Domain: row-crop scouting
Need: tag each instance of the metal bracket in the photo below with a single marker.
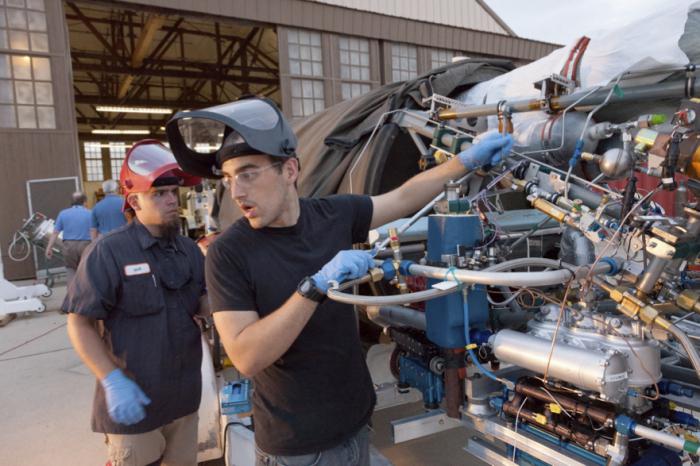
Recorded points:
(523, 441)
(485, 452)
(413, 427)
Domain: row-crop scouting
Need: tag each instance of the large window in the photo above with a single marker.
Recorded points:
(307, 97)
(305, 53)
(117, 153)
(354, 66)
(93, 161)
(23, 26)
(305, 61)
(26, 91)
(404, 64)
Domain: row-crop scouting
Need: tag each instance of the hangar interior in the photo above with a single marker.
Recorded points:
(133, 68)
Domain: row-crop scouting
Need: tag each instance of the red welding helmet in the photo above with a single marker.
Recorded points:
(147, 161)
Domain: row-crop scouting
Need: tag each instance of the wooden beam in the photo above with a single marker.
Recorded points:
(98, 35)
(148, 32)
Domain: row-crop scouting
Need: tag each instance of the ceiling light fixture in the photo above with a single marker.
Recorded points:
(122, 109)
(120, 131)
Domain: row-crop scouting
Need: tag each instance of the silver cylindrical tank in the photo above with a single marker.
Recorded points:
(543, 134)
(602, 372)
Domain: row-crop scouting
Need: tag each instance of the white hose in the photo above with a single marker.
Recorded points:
(394, 299)
(481, 277)
(13, 245)
(490, 276)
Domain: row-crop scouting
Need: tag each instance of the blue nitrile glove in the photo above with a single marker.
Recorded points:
(490, 150)
(125, 400)
(346, 265)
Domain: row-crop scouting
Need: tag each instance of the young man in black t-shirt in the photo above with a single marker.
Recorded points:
(268, 273)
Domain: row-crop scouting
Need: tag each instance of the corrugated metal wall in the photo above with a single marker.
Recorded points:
(468, 14)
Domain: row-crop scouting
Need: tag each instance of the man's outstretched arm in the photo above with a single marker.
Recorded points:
(419, 190)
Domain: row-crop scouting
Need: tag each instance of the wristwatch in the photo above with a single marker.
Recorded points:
(308, 289)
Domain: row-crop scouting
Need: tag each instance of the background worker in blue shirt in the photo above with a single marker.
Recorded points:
(107, 214)
(74, 222)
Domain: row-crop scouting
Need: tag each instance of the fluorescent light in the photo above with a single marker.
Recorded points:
(122, 109)
(120, 131)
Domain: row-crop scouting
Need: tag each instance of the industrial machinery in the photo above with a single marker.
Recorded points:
(551, 303)
(196, 208)
(595, 360)
(580, 352)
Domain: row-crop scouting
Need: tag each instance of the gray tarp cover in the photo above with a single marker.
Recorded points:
(331, 140)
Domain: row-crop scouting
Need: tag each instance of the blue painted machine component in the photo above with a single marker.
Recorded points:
(452, 235)
(235, 397)
(684, 418)
(413, 373)
(667, 387)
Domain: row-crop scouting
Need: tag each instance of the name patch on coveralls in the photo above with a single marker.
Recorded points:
(137, 269)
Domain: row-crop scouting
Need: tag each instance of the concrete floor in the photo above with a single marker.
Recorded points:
(46, 394)
(47, 397)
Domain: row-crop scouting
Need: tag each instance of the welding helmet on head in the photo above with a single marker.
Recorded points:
(149, 163)
(202, 140)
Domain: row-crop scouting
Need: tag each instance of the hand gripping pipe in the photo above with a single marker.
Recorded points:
(491, 276)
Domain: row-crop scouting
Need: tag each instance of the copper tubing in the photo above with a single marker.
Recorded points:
(513, 408)
(453, 392)
(600, 415)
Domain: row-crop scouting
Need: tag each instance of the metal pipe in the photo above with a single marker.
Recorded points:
(600, 415)
(590, 370)
(453, 392)
(425, 295)
(592, 199)
(514, 408)
(693, 225)
(651, 274)
(524, 262)
(685, 342)
(397, 316)
(664, 90)
(515, 279)
(421, 213)
(671, 441)
(617, 452)
(575, 248)
(490, 276)
(553, 277)
(540, 232)
(405, 249)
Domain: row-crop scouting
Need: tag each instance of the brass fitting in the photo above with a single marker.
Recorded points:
(376, 274)
(631, 305)
(689, 300)
(649, 315)
(550, 209)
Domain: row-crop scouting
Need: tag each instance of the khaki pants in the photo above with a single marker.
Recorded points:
(72, 252)
(175, 443)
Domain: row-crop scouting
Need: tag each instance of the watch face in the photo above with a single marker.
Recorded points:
(305, 286)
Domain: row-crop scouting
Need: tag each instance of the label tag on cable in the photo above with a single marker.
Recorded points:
(446, 285)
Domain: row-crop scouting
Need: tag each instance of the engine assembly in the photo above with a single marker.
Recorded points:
(552, 303)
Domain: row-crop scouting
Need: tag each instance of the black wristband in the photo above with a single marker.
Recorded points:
(308, 289)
